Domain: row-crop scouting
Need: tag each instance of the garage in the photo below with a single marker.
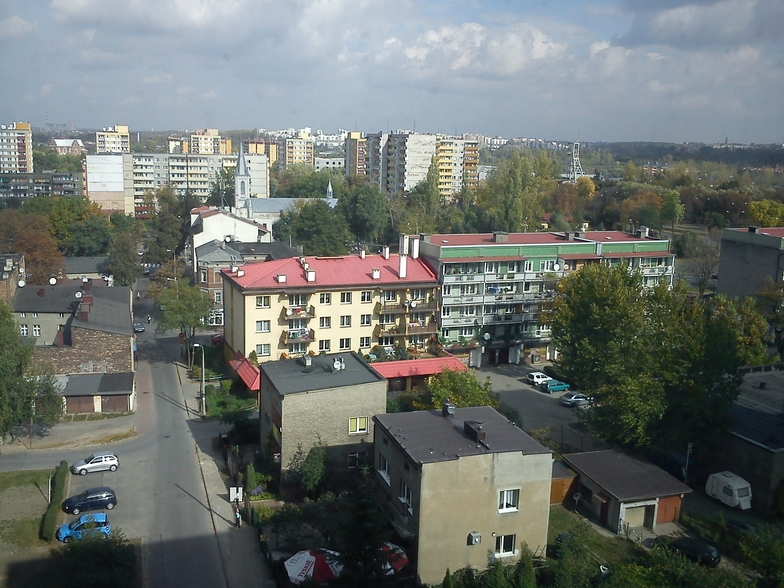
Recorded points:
(79, 404)
(85, 393)
(635, 517)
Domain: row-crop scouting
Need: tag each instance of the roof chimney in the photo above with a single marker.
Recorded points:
(41, 291)
(88, 285)
(362, 254)
(376, 273)
(386, 251)
(474, 431)
(402, 263)
(500, 237)
(403, 244)
(753, 229)
(414, 247)
(310, 275)
(240, 273)
(447, 409)
(82, 315)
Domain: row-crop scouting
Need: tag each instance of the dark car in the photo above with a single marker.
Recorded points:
(694, 549)
(91, 499)
(138, 328)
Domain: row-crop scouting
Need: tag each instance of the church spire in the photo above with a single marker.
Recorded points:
(329, 189)
(241, 180)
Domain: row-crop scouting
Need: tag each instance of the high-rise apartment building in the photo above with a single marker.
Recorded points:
(16, 148)
(356, 154)
(114, 139)
(208, 142)
(458, 163)
(408, 156)
(266, 147)
(297, 150)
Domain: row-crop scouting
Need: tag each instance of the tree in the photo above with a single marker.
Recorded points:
(31, 235)
(122, 223)
(315, 226)
(585, 189)
(462, 388)
(123, 259)
(764, 551)
(363, 207)
(185, 307)
(672, 210)
(766, 213)
(222, 191)
(524, 574)
(703, 258)
(89, 237)
(770, 304)
(447, 583)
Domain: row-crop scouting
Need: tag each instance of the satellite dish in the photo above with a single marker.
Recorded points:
(413, 304)
(486, 336)
(289, 312)
(52, 281)
(84, 280)
(21, 283)
(556, 267)
(78, 294)
(336, 365)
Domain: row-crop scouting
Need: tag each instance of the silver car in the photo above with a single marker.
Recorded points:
(97, 462)
(576, 399)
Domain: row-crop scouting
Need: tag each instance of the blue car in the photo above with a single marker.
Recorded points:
(87, 523)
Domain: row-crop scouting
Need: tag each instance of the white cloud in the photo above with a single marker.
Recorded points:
(158, 78)
(15, 27)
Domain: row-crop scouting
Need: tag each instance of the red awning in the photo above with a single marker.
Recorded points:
(418, 367)
(247, 372)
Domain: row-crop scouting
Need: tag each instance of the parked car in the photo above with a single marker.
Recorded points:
(91, 499)
(536, 378)
(88, 523)
(217, 340)
(97, 462)
(694, 549)
(551, 386)
(730, 489)
(138, 328)
(574, 399)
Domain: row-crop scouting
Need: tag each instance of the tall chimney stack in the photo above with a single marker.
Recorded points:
(402, 269)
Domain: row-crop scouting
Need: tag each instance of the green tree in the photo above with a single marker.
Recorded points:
(764, 552)
(112, 563)
(495, 577)
(314, 467)
(123, 259)
(30, 234)
(770, 304)
(89, 237)
(186, 308)
(463, 388)
(47, 159)
(222, 191)
(703, 258)
(447, 583)
(363, 207)
(766, 213)
(672, 209)
(315, 226)
(585, 189)
(122, 223)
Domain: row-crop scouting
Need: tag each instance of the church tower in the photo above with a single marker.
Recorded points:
(241, 181)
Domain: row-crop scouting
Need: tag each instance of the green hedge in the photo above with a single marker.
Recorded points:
(49, 526)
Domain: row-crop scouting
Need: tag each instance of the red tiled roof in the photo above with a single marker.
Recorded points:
(418, 367)
(347, 272)
(247, 372)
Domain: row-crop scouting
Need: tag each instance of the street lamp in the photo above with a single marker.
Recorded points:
(202, 400)
(177, 285)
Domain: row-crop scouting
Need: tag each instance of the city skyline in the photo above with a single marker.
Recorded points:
(605, 71)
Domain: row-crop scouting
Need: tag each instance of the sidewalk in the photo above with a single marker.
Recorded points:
(243, 562)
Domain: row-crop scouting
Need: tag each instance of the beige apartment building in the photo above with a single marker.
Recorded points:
(458, 164)
(289, 307)
(297, 150)
(16, 148)
(114, 139)
(464, 486)
(356, 154)
(209, 142)
(266, 147)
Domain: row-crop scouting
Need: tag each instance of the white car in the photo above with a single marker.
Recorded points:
(536, 378)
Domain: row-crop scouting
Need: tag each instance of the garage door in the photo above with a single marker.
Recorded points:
(114, 403)
(635, 517)
(77, 404)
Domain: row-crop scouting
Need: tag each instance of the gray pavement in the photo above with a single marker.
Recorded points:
(240, 554)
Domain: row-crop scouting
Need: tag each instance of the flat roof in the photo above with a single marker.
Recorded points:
(758, 413)
(429, 437)
(291, 376)
(626, 477)
(458, 239)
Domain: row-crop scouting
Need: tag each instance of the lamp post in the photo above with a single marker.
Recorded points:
(202, 400)
(702, 211)
(177, 285)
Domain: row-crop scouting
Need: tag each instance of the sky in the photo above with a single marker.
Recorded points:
(593, 70)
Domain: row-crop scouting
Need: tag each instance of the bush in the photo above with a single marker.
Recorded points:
(49, 525)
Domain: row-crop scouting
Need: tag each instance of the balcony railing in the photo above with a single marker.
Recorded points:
(389, 330)
(417, 328)
(292, 312)
(298, 336)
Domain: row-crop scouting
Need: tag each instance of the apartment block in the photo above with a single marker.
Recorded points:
(208, 142)
(458, 161)
(290, 307)
(409, 156)
(376, 158)
(22, 186)
(494, 286)
(114, 139)
(16, 148)
(356, 154)
(297, 150)
(749, 257)
(109, 182)
(266, 147)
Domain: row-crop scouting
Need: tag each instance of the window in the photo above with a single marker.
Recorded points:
(262, 301)
(504, 545)
(203, 276)
(364, 320)
(263, 349)
(386, 341)
(324, 345)
(24, 315)
(298, 299)
(383, 468)
(325, 298)
(298, 347)
(345, 297)
(364, 342)
(298, 323)
(466, 332)
(358, 426)
(345, 320)
(36, 330)
(23, 330)
(508, 500)
(325, 322)
(390, 296)
(218, 297)
(345, 343)
(387, 319)
(548, 265)
(491, 267)
(529, 266)
(512, 267)
(262, 326)
(35, 315)
(356, 459)
(59, 314)
(406, 496)
(367, 296)
(418, 294)
(446, 310)
(446, 290)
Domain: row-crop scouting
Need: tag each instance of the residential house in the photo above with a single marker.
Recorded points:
(624, 492)
(461, 483)
(95, 268)
(289, 307)
(747, 258)
(328, 399)
(494, 285)
(68, 146)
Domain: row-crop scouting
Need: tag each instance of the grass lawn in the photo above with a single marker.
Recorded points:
(25, 478)
(24, 533)
(609, 551)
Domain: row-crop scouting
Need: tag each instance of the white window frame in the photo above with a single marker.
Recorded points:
(324, 345)
(263, 350)
(325, 298)
(547, 265)
(23, 330)
(358, 425)
(345, 343)
(36, 330)
(364, 342)
(503, 543)
(262, 301)
(298, 300)
(218, 297)
(367, 296)
(529, 265)
(345, 297)
(203, 276)
(325, 322)
(406, 497)
(298, 347)
(365, 320)
(383, 468)
(509, 500)
(390, 295)
(345, 320)
(263, 326)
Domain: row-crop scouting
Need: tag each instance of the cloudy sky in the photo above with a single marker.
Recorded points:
(603, 70)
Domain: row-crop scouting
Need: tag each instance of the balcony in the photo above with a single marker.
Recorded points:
(458, 278)
(389, 330)
(460, 321)
(298, 336)
(500, 319)
(418, 328)
(293, 312)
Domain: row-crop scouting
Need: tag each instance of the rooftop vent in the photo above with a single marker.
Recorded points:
(308, 360)
(310, 275)
(447, 409)
(500, 237)
(281, 278)
(474, 431)
(385, 251)
(240, 273)
(753, 229)
(403, 244)
(414, 247)
(362, 254)
(376, 273)
(234, 269)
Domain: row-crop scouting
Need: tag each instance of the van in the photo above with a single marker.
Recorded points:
(536, 378)
(730, 489)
